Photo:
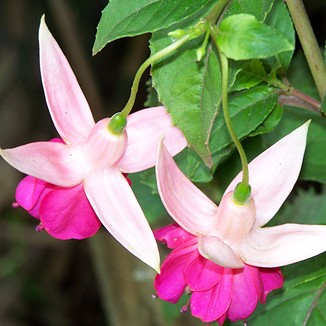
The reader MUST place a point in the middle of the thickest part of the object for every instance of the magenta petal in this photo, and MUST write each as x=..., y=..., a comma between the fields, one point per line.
x=272, y=279
x=202, y=274
x=170, y=284
x=247, y=290
x=66, y=213
x=173, y=235
x=212, y=304
x=28, y=194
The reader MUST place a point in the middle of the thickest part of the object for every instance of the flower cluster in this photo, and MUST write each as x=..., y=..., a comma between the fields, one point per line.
x=222, y=256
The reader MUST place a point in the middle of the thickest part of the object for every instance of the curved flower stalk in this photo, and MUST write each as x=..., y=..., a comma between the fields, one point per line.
x=91, y=161
x=221, y=253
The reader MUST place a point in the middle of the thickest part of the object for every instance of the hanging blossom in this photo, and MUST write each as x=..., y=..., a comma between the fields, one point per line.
x=65, y=213
x=74, y=180
x=221, y=254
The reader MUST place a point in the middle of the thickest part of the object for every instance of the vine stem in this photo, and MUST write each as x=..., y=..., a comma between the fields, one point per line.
x=216, y=11
x=309, y=44
x=157, y=56
x=225, y=105
x=228, y=122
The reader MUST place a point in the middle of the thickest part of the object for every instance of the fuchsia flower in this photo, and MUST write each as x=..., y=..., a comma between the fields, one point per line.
x=64, y=213
x=83, y=174
x=222, y=255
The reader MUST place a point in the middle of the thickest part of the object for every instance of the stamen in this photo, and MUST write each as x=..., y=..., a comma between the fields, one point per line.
x=154, y=296
x=184, y=308
x=15, y=205
x=187, y=290
x=40, y=228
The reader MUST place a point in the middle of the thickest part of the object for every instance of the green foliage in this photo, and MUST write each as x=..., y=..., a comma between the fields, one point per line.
x=300, y=301
x=243, y=37
x=306, y=207
x=192, y=94
x=144, y=188
x=280, y=19
x=190, y=90
x=252, y=74
x=323, y=106
x=314, y=164
x=257, y=8
x=122, y=18
x=249, y=110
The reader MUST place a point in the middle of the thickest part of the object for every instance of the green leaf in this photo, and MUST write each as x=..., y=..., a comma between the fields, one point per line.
x=258, y=8
x=193, y=166
x=243, y=37
x=248, y=110
x=280, y=19
x=190, y=90
x=306, y=207
x=122, y=18
x=301, y=300
x=300, y=76
x=144, y=188
x=252, y=74
x=270, y=122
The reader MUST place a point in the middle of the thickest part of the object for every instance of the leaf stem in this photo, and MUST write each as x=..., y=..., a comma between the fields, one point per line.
x=292, y=96
x=309, y=44
x=157, y=56
x=225, y=105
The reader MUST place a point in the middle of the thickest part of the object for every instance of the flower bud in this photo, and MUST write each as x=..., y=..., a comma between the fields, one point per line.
x=242, y=193
x=117, y=124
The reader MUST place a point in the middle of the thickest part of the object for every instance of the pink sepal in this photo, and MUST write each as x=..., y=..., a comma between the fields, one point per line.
x=145, y=129
x=67, y=104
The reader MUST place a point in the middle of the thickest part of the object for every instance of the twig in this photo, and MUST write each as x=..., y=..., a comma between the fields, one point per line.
x=309, y=44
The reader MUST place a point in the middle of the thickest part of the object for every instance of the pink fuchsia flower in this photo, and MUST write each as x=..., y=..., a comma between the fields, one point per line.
x=92, y=159
x=65, y=213
x=226, y=247
x=216, y=292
